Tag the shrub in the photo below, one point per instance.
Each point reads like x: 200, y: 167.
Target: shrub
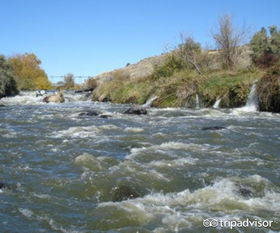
x: 266, y: 48
x: 8, y: 85
x: 268, y: 89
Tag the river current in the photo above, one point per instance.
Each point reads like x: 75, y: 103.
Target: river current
x: 66, y: 172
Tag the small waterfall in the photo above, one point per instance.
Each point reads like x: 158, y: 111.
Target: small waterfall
x: 217, y: 103
x: 196, y: 101
x: 252, y: 101
x: 149, y: 102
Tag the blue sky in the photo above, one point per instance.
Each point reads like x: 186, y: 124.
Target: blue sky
x: 88, y: 37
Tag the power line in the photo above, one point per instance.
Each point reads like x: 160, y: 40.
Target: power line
x: 75, y: 76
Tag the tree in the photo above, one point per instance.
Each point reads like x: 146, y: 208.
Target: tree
x: 189, y: 52
x: 69, y: 82
x: 29, y: 75
x: 228, y: 41
x: 266, y: 48
x: 7, y: 80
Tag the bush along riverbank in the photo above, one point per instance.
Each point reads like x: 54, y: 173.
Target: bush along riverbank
x: 183, y: 89
x: 8, y: 85
x: 268, y: 90
x: 190, y: 76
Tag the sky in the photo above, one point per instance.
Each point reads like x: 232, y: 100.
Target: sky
x: 88, y: 37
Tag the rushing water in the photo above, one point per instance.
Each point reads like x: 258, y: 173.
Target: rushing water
x: 197, y: 101
x: 63, y: 171
x: 217, y: 103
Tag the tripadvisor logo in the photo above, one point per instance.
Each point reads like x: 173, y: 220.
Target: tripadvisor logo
x: 211, y: 222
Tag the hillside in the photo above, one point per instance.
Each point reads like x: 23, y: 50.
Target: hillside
x: 187, y: 74
x: 139, y: 70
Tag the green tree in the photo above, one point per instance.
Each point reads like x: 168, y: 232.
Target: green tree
x: 30, y: 76
x: 7, y: 80
x: 266, y: 47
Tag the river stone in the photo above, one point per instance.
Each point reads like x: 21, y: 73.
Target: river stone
x: 136, y: 111
x: 124, y: 192
x: 245, y: 192
x: 213, y: 128
x: 89, y: 113
x: 104, y: 116
x: 58, y: 98
x: 3, y: 185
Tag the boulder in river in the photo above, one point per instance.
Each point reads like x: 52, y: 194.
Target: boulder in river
x: 93, y: 113
x: 89, y: 113
x: 136, y: 111
x: 213, y: 128
x: 57, y: 98
x: 124, y: 192
x: 244, y: 192
x: 4, y: 185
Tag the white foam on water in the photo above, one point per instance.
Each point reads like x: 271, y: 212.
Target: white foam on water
x: 29, y: 98
x: 173, y: 163
x: 186, y: 207
x: 168, y: 146
x: 78, y: 132
x: 108, y: 127
x: 42, y: 196
x: 137, y: 169
x: 45, y: 219
x: 133, y: 129
x: 8, y: 133
x: 26, y: 212
x: 23, y: 98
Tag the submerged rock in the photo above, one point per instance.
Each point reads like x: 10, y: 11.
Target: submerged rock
x: 245, y: 192
x: 104, y: 116
x: 89, y: 113
x: 57, y: 98
x: 213, y: 128
x: 4, y: 185
x: 93, y: 113
x: 124, y: 192
x: 136, y: 111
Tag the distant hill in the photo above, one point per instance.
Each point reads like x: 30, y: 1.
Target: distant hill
x: 141, y: 69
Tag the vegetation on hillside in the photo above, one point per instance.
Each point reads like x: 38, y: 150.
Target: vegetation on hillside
x: 268, y: 90
x: 189, y: 71
x: 8, y: 85
x: 266, y: 48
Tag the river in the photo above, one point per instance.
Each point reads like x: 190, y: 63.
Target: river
x: 64, y: 172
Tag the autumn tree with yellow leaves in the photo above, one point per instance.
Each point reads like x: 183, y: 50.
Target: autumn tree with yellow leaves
x: 30, y: 76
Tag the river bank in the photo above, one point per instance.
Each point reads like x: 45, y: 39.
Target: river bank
x: 184, y: 87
